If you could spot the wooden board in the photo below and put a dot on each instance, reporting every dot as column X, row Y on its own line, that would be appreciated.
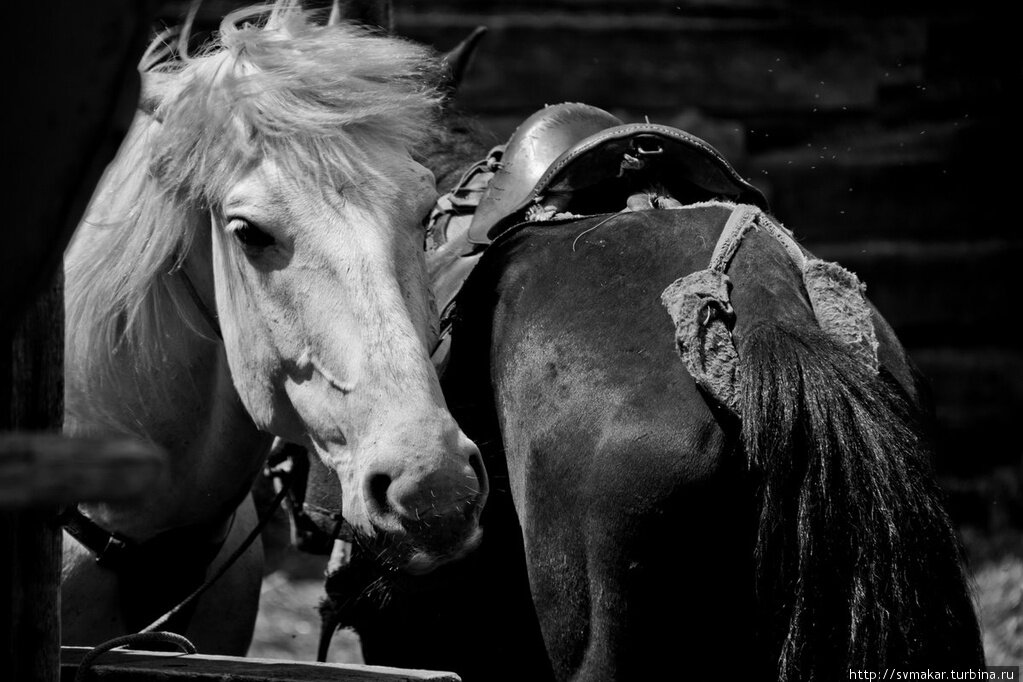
column 952, row 293
column 978, row 398
column 148, row 666
column 41, row 469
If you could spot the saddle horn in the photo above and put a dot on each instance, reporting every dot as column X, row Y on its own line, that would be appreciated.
column 459, row 58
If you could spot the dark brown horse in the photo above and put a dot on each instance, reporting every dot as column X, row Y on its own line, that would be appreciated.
column 766, row 511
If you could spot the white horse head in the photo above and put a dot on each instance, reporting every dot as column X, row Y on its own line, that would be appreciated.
column 276, row 180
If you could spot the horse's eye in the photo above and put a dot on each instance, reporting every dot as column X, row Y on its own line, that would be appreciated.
column 250, row 236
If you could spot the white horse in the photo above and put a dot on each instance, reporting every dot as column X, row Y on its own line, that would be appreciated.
column 252, row 266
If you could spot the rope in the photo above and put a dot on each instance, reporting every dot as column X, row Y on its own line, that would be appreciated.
column 235, row 555
column 151, row 633
column 132, row 640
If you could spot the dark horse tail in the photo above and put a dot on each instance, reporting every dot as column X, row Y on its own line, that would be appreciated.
column 859, row 566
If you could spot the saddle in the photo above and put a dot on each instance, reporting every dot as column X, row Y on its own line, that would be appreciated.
column 578, row 158
column 566, row 161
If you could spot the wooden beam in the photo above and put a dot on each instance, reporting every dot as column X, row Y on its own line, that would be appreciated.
column 29, row 603
column 40, row 469
column 142, row 666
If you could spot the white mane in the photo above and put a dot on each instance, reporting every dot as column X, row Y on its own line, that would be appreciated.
column 319, row 100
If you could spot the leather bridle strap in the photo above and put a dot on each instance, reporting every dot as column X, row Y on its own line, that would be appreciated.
column 109, row 548
column 228, row 563
column 315, row 528
column 204, row 310
column 115, row 552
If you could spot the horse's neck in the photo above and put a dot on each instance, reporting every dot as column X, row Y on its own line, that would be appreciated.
column 187, row 404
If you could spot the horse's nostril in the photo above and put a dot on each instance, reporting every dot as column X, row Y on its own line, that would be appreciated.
column 437, row 505
column 377, row 488
column 482, row 482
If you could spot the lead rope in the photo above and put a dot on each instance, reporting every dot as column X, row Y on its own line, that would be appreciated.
column 235, row 555
column 151, row 633
column 138, row 638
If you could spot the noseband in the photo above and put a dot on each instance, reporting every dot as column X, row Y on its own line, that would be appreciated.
column 315, row 528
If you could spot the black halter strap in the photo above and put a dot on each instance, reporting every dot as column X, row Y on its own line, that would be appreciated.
column 181, row 562
column 109, row 547
column 177, row 559
column 314, row 528
column 178, row 546
column 204, row 310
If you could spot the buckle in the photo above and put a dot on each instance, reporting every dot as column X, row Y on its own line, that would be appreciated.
column 113, row 552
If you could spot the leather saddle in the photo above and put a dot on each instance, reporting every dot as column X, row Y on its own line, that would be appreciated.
column 574, row 157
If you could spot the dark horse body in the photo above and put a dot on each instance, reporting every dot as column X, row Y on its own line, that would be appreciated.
column 637, row 529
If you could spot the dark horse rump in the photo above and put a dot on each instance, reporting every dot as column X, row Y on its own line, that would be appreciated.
column 637, row 528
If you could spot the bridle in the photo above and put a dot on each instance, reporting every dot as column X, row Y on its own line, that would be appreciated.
column 112, row 549
column 116, row 552
column 287, row 464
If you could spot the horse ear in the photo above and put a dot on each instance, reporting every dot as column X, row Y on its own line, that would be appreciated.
column 457, row 60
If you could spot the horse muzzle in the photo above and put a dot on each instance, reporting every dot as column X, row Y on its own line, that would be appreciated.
column 434, row 512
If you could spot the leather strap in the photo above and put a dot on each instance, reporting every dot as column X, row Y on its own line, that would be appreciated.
column 120, row 553
column 204, row 310
column 109, row 548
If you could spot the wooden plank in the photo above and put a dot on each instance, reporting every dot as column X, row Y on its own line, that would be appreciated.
column 29, row 600
column 656, row 64
column 39, row 469
column 932, row 181
column 217, row 8
column 214, row 9
column 713, row 7
column 972, row 385
column 978, row 397
column 145, row 666
column 952, row 292
column 784, row 70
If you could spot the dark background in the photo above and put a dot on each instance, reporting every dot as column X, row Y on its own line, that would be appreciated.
column 883, row 133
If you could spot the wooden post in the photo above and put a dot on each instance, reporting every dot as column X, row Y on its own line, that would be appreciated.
column 31, row 398
column 77, row 89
